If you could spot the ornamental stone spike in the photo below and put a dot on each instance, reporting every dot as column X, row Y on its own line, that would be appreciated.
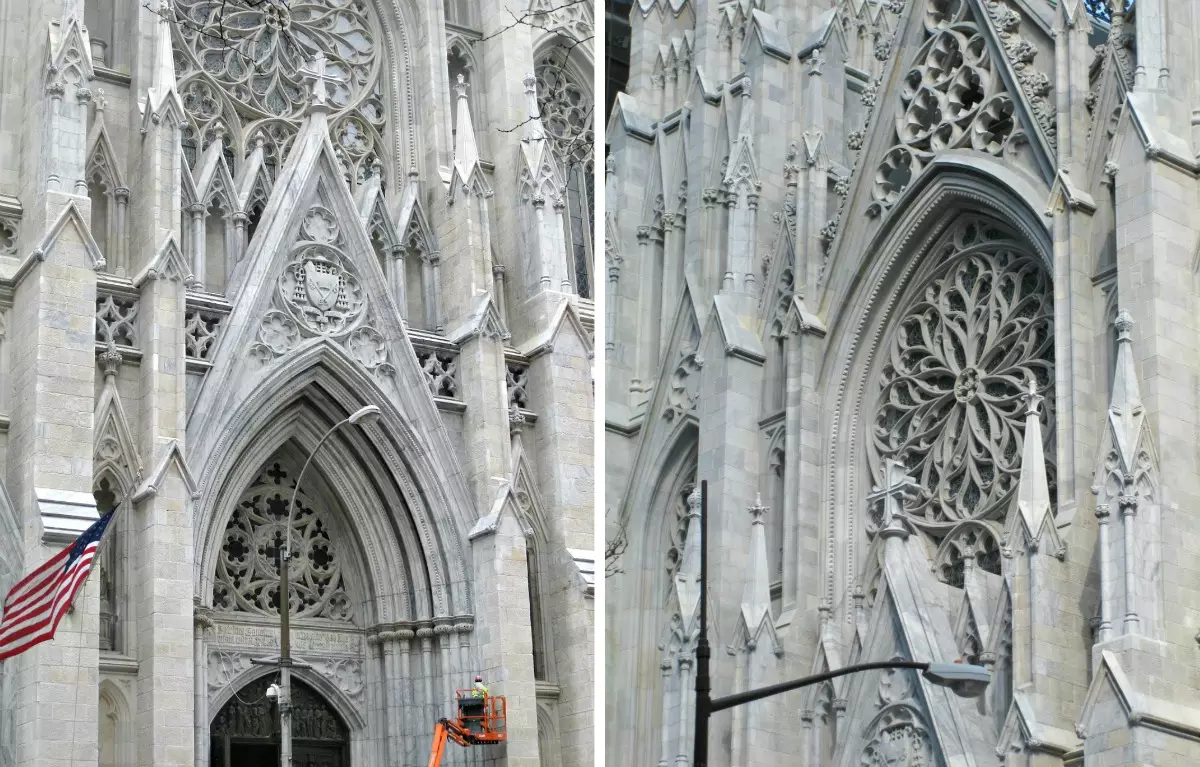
column 756, row 596
column 466, row 152
column 687, row 580
column 1126, row 412
column 1033, row 491
column 534, row 130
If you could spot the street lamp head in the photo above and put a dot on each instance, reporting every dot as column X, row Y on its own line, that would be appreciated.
column 368, row 413
column 964, row 679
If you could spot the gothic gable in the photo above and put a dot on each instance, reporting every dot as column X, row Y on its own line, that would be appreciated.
column 970, row 82
column 311, row 279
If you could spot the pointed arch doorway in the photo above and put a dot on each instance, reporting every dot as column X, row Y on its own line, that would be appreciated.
column 245, row 733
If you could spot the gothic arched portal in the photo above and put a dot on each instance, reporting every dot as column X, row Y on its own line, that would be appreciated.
column 245, row 732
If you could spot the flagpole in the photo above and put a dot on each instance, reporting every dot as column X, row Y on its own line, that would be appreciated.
column 79, row 641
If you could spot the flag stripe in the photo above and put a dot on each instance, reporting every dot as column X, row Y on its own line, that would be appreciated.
column 36, row 605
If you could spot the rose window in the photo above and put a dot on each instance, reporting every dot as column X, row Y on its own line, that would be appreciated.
column 951, row 408
column 247, row 577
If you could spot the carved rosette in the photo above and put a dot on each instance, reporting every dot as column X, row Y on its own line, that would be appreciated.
column 976, row 332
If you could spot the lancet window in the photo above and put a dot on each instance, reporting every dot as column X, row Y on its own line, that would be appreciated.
column 975, row 330
column 566, row 109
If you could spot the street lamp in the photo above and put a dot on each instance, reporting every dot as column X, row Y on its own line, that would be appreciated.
column 359, row 416
column 964, row 679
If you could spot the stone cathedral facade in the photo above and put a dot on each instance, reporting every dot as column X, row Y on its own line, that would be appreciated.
column 226, row 225
column 913, row 285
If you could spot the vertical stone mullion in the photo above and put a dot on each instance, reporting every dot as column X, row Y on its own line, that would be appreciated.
column 409, row 729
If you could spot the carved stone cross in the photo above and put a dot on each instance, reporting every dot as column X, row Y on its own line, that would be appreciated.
column 317, row 74
column 896, row 485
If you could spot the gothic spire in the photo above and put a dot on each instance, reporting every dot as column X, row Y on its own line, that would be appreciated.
column 756, row 596
column 534, row 130
column 466, row 152
column 1033, row 491
column 1126, row 412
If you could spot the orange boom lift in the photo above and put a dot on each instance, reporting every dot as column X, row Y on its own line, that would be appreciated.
column 480, row 722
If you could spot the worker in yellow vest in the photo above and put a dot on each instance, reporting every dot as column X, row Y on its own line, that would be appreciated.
column 480, row 688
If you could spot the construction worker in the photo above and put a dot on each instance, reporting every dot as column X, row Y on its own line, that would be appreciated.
column 480, row 688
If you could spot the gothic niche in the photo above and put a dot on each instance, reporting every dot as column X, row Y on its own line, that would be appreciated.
column 975, row 329
column 247, row 576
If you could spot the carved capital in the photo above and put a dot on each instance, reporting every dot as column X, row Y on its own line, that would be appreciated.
column 121, row 194
column 643, row 235
column 110, row 359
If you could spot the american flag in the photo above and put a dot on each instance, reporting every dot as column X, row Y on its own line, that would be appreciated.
column 36, row 605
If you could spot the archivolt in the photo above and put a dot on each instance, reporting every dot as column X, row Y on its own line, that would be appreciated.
column 386, row 466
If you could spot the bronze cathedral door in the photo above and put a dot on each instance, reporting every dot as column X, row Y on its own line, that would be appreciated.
column 246, row 731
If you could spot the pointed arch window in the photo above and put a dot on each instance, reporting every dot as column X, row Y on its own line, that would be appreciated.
column 566, row 107
column 109, row 201
column 537, row 563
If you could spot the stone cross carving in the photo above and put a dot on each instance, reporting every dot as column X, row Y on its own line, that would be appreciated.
column 896, row 485
column 317, row 74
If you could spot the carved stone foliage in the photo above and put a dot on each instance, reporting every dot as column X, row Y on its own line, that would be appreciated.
column 441, row 372
column 952, row 98
column 320, row 293
column 200, row 332
column 1035, row 84
column 116, row 320
column 251, row 714
column 345, row 673
column 517, row 377
column 9, row 233
column 239, row 66
column 247, row 576
column 976, row 331
column 684, row 385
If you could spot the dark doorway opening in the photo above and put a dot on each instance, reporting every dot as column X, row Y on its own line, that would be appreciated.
column 245, row 733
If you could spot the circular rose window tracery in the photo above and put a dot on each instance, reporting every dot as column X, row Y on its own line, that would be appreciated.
column 977, row 329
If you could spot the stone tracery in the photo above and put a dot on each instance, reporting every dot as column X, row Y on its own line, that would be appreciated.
column 977, row 331
column 953, row 97
column 240, row 63
column 247, row 575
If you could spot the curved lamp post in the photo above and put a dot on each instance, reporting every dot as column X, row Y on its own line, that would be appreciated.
column 285, row 606
column 963, row 679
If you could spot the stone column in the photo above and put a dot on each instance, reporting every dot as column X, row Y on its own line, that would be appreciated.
column 498, row 292
column 203, row 623
column 396, row 276
column 239, row 239
column 196, row 211
column 405, row 685
column 120, row 257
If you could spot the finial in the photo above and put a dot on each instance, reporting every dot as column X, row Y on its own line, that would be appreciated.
column 317, row 73
column 693, row 501
column 461, row 87
column 101, row 102
column 1123, row 323
column 1032, row 399
column 757, row 511
column 111, row 360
